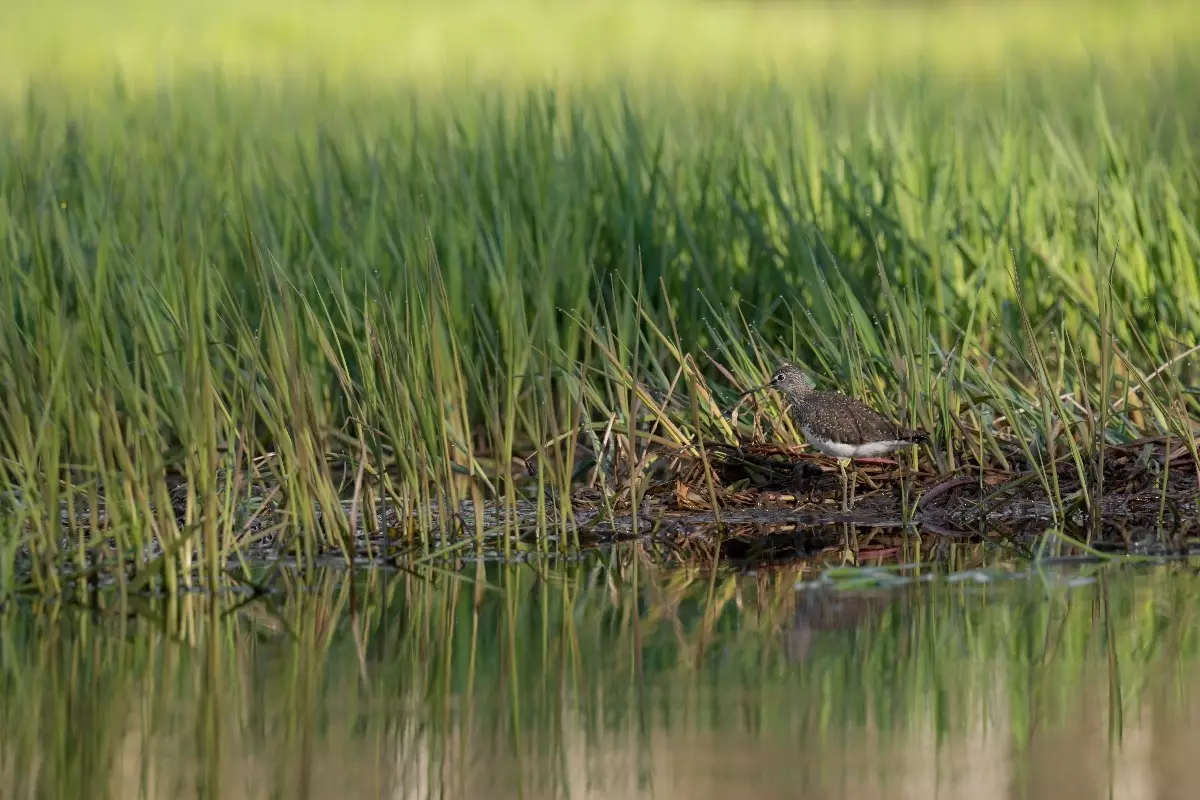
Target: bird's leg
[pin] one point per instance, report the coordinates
(853, 482)
(799, 479)
(798, 476)
(842, 464)
(916, 467)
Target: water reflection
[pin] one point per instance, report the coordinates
(611, 679)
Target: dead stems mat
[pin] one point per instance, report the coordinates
(771, 504)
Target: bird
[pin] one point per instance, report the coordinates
(838, 425)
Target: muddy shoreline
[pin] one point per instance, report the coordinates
(772, 505)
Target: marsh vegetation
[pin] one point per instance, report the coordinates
(295, 318)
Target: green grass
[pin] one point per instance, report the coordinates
(228, 296)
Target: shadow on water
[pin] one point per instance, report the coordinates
(612, 678)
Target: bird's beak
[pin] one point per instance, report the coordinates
(754, 390)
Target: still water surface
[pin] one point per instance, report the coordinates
(613, 679)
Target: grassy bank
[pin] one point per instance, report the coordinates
(246, 304)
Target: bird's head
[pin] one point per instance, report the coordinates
(787, 379)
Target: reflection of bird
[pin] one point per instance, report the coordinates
(822, 614)
(838, 425)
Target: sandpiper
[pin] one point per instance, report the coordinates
(838, 425)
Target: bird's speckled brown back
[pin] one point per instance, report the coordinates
(835, 417)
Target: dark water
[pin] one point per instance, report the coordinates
(613, 679)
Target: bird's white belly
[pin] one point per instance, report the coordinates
(840, 450)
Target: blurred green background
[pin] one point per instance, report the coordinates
(81, 43)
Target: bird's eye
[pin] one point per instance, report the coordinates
(778, 377)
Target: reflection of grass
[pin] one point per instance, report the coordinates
(376, 40)
(527, 684)
(225, 299)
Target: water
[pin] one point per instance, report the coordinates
(610, 678)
